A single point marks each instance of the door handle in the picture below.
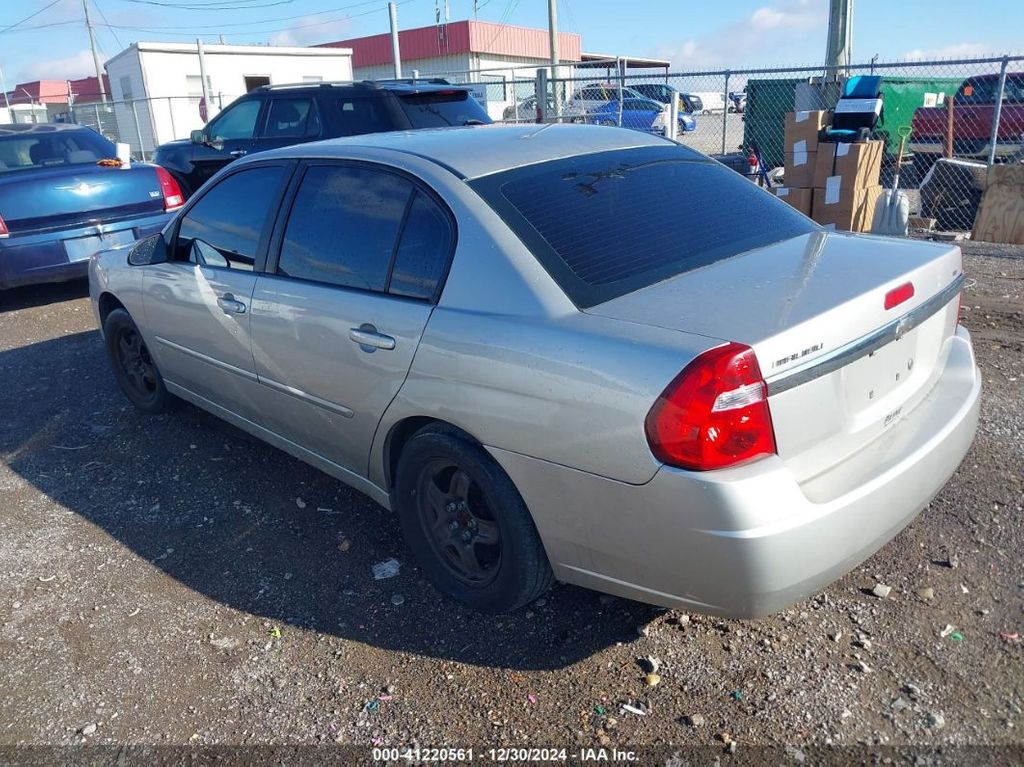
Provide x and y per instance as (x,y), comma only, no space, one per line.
(369,339)
(230,305)
(238,152)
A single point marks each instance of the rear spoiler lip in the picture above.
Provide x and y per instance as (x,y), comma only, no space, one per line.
(865,345)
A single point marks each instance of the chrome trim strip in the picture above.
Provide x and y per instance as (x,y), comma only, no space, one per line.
(209,360)
(864,345)
(307,397)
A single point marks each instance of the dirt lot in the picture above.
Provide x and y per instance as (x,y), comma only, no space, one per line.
(170,580)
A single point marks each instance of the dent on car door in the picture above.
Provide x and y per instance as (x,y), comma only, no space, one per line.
(197,303)
(335,327)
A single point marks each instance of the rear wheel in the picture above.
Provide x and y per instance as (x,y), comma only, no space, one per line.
(467,523)
(135,370)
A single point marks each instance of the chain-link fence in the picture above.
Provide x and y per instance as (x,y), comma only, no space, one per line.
(144,124)
(958,117)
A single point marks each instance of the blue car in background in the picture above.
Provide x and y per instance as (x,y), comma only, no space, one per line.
(64,197)
(640,114)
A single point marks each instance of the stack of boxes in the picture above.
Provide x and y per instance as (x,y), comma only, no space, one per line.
(835,184)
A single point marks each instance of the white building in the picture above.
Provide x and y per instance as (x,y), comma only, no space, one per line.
(157,89)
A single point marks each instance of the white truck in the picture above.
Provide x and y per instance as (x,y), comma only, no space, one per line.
(714,102)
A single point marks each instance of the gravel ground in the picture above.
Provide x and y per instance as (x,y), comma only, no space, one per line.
(170,580)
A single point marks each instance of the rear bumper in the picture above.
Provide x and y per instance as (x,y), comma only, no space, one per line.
(749,541)
(30,259)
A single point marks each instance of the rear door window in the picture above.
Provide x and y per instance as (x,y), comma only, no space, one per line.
(443,108)
(344,226)
(607,224)
(369,229)
(292,118)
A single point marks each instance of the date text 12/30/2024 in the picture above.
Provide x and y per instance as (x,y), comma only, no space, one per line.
(493,755)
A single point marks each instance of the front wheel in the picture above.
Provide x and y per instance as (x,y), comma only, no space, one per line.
(135,370)
(467,524)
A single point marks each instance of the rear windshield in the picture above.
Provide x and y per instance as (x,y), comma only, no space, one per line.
(439,109)
(43,148)
(607,224)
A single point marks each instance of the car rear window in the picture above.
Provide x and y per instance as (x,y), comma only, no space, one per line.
(607,224)
(43,148)
(440,109)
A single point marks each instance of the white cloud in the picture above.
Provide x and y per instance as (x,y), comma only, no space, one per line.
(955,51)
(311,30)
(768,29)
(65,68)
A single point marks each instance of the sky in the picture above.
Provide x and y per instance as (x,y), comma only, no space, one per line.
(693,35)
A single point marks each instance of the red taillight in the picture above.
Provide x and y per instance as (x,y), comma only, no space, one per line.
(714,414)
(3,228)
(897,296)
(173,198)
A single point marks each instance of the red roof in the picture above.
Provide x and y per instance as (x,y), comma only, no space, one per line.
(56,91)
(459,37)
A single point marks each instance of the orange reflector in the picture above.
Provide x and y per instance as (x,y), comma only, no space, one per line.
(897,296)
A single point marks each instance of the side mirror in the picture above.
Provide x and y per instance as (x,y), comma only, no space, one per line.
(150,250)
(198,137)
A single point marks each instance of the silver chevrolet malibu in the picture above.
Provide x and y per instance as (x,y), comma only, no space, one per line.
(566,353)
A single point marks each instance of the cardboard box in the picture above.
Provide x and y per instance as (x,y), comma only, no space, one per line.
(803,127)
(797,197)
(858,164)
(799,169)
(845,207)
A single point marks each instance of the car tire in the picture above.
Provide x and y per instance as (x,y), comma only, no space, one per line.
(134,369)
(453,500)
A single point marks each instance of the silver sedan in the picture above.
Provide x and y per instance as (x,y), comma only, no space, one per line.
(561,353)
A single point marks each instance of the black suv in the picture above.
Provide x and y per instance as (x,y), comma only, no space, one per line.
(278,115)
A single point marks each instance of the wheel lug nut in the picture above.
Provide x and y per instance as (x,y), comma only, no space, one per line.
(466,536)
(451,507)
(453,525)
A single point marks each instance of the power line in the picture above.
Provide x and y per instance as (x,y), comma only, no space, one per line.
(103,16)
(30,16)
(217,5)
(321,22)
(194,27)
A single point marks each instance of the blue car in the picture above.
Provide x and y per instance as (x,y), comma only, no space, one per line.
(640,114)
(64,197)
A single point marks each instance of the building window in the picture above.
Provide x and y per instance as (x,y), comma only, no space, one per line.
(126,88)
(194,88)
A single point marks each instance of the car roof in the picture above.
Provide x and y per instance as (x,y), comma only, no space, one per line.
(23,128)
(476,151)
(364,86)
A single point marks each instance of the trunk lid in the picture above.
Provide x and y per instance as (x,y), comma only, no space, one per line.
(44,198)
(840,367)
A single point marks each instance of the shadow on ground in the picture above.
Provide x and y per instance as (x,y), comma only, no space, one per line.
(41,295)
(216,510)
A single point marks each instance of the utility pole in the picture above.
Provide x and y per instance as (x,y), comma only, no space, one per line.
(3,85)
(95,56)
(840,36)
(555,58)
(396,54)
